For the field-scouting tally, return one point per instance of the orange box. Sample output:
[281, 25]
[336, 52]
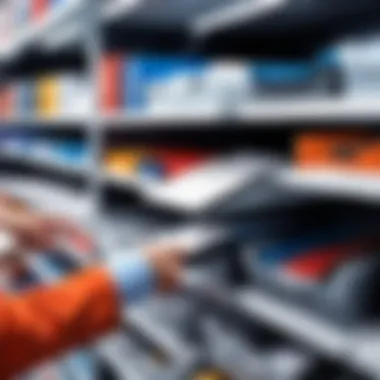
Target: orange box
[48, 99]
[338, 150]
[111, 84]
[123, 160]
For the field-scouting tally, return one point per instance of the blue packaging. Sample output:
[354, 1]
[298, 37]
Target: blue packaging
[141, 71]
[73, 151]
[151, 170]
[275, 73]
[284, 76]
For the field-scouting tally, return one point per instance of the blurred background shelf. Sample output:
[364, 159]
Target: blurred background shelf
[31, 35]
[338, 184]
[58, 122]
[341, 112]
[168, 131]
[348, 111]
[63, 167]
[233, 28]
[345, 345]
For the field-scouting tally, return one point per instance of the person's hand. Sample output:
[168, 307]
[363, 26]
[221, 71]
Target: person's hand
[38, 231]
[11, 255]
[167, 263]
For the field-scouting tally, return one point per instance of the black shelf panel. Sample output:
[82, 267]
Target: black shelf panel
[296, 28]
[34, 61]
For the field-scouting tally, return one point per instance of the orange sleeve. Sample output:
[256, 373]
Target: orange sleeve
[39, 324]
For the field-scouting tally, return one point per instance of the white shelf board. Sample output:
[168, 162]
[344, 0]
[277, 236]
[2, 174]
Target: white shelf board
[121, 119]
[163, 118]
[175, 348]
[35, 32]
[47, 163]
[344, 184]
[356, 348]
[119, 8]
[298, 109]
[112, 350]
[235, 13]
[274, 112]
[296, 322]
[59, 121]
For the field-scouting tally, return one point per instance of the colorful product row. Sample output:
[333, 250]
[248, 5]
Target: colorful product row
[126, 80]
[347, 151]
[153, 163]
[163, 82]
[64, 94]
[166, 83]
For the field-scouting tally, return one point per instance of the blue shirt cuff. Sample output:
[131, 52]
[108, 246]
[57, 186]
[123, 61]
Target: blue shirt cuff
[134, 278]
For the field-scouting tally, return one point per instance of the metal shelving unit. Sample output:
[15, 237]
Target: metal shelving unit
[359, 187]
[213, 27]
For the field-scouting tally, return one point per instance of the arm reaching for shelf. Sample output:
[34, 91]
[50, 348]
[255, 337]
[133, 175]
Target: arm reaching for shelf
[39, 324]
[42, 323]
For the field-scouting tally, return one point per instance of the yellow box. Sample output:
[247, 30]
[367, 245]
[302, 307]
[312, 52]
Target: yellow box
[48, 96]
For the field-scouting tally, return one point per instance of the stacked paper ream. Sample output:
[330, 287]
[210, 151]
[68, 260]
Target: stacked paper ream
[74, 95]
[47, 96]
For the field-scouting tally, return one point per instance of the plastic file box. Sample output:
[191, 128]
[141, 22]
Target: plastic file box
[124, 161]
[358, 152]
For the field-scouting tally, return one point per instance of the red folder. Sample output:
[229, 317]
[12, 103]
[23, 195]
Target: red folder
[111, 83]
[320, 262]
[177, 161]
